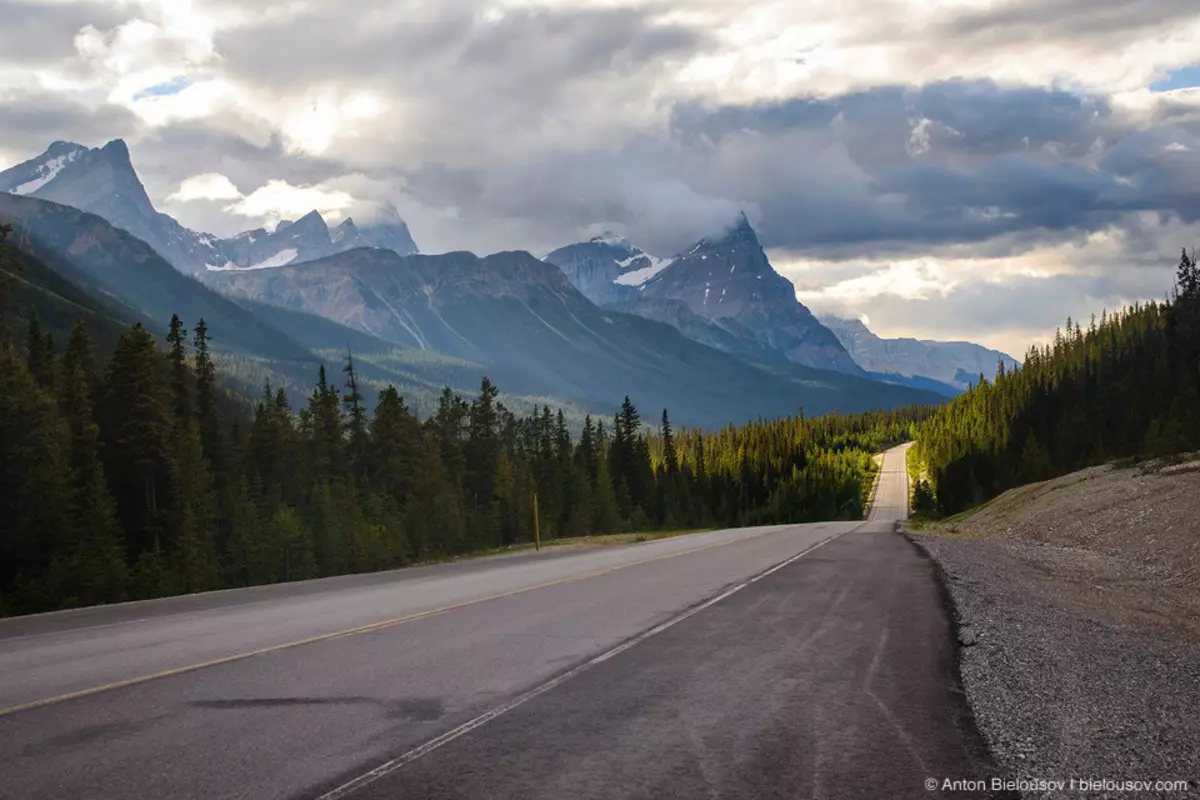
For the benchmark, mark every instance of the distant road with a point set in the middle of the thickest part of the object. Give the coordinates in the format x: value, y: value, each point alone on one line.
x: 790, y: 661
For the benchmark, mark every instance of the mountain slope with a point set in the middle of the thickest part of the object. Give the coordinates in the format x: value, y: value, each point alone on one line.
x: 513, y: 312
x: 957, y: 364
x: 113, y: 265
x: 26, y: 282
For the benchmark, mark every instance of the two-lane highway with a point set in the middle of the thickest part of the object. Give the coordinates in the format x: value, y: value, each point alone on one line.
x: 811, y: 660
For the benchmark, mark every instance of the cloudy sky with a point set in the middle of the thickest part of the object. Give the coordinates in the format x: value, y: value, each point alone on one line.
x: 972, y: 169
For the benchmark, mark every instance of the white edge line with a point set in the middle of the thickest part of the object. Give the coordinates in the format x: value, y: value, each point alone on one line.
x: 389, y: 767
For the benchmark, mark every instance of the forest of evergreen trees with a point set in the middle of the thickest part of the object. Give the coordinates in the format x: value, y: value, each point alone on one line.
x: 1128, y: 385
x: 132, y: 478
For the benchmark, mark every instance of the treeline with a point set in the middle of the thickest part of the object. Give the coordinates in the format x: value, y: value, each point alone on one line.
x: 128, y: 477
x: 1128, y: 385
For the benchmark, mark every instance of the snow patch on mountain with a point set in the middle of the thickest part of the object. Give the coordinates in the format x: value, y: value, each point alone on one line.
x: 277, y: 260
x: 48, y: 172
x: 638, y: 277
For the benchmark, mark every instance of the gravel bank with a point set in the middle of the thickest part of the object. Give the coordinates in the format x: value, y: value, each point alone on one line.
x: 1080, y: 622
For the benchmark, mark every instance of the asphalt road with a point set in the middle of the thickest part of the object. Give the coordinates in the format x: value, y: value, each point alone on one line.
x: 794, y: 661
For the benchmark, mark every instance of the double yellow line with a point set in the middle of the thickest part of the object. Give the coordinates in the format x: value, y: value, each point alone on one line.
x: 373, y: 626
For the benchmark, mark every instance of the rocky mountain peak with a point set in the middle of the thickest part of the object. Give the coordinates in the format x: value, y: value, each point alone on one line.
x: 729, y: 279
x: 118, y: 153
x: 347, y: 231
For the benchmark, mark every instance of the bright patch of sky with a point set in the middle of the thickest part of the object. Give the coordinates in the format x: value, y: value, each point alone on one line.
x: 1186, y: 78
x: 173, y: 86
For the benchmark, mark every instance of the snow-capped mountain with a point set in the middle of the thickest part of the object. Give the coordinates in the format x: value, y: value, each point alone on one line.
x: 958, y: 364
x: 31, y: 175
x: 102, y: 181
x: 607, y: 268
x: 721, y: 291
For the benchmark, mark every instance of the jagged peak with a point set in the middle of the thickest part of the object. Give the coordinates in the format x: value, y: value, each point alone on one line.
x: 117, y: 149
x: 312, y: 221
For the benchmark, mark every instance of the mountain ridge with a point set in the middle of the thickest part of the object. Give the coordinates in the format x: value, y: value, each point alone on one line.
x: 104, y: 182
x: 956, y: 363
x: 514, y: 312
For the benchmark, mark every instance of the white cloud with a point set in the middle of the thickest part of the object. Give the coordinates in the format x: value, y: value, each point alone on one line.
x: 207, y: 186
x: 279, y: 199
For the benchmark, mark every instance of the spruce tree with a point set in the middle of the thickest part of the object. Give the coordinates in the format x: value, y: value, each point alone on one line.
x: 356, y: 416
x: 40, y: 349
x: 181, y: 403
x: 206, y: 400
x: 136, y: 422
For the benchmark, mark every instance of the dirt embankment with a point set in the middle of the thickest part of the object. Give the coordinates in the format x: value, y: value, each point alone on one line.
x: 1078, y: 604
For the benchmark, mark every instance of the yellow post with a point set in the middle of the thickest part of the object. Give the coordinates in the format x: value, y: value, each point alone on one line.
x: 537, y: 538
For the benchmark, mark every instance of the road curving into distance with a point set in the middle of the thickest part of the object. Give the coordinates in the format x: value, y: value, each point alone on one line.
x: 789, y: 661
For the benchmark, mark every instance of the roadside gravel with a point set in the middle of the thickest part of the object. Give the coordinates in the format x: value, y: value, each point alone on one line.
x: 1079, y: 618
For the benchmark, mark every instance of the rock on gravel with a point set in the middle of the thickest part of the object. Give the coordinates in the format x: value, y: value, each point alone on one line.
x: 1080, y: 654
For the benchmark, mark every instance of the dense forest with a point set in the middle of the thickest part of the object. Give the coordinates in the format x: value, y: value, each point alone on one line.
x: 132, y: 478
x: 1126, y: 386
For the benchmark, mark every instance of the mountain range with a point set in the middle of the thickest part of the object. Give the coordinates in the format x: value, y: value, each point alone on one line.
x: 102, y: 181
x: 713, y: 333
x: 957, y: 364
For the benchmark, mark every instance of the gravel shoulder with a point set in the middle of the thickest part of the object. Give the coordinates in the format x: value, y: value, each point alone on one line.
x: 1077, y: 603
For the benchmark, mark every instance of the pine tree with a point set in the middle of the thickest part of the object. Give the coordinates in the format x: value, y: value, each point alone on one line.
x: 206, y: 401
x: 194, y: 510
x: 98, y: 572
x: 483, y: 444
x: 356, y: 416
x: 393, y: 444
x: 181, y: 403
x: 40, y: 348
x: 36, y: 504
x: 136, y: 422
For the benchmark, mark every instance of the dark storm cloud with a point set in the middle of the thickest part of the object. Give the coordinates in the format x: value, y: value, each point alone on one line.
x: 44, y: 33
x: 975, y: 117
x: 901, y: 169
x: 29, y: 122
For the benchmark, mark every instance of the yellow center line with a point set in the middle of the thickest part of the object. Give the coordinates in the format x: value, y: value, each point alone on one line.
x: 373, y: 626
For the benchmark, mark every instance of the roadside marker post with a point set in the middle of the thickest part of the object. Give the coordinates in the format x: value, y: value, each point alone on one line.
x: 537, y: 538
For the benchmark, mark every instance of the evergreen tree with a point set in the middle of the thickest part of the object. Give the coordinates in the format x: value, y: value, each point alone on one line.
x: 356, y: 415
x: 206, y: 400
x: 40, y: 348
x: 194, y: 509
x: 98, y: 573
x: 181, y: 403
x: 136, y: 422
x: 483, y: 444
